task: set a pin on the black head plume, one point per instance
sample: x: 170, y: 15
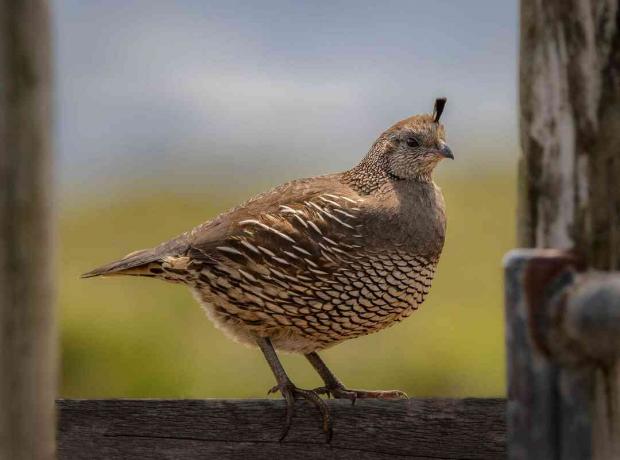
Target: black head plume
x: 440, y: 103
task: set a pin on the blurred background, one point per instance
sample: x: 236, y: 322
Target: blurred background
x: 169, y: 112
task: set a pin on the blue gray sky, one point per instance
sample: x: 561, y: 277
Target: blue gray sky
x: 218, y: 92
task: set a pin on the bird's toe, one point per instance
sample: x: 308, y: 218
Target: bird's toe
x: 290, y: 393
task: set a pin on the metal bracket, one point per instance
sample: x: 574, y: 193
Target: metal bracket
x: 573, y: 314
x: 563, y: 331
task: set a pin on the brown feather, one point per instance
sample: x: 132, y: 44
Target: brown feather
x: 128, y: 265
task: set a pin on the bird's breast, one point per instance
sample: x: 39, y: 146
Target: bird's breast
x: 412, y: 219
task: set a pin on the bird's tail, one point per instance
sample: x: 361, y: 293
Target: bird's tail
x: 140, y: 263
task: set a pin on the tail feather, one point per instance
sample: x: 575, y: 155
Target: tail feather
x: 131, y: 264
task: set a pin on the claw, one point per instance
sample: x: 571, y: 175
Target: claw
x: 322, y: 391
x: 290, y: 411
x: 290, y: 393
x: 320, y: 404
x: 272, y: 390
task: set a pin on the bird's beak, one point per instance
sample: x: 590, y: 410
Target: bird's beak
x: 445, y: 151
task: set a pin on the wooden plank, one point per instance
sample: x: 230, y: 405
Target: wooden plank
x: 27, y: 329
x: 239, y: 429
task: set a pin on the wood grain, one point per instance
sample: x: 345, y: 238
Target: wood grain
x: 239, y: 429
x: 569, y: 84
x: 27, y: 326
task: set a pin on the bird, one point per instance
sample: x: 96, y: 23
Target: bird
x: 317, y: 261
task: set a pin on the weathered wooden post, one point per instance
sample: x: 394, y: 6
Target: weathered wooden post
x: 27, y: 331
x: 563, y: 306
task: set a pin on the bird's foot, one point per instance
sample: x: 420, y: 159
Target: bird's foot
x: 340, y: 392
x: 290, y: 393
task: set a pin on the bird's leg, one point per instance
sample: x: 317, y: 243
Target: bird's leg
x: 335, y: 387
x: 290, y: 392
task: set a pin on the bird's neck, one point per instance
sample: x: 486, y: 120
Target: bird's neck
x: 372, y: 174
x: 367, y: 178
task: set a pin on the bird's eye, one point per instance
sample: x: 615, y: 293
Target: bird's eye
x: 413, y: 142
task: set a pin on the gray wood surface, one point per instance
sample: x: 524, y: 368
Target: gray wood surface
x: 240, y: 429
x: 569, y: 196
x: 27, y: 331
x: 532, y: 389
x: 549, y: 396
x: 569, y: 85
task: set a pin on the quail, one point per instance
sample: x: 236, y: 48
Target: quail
x: 317, y: 261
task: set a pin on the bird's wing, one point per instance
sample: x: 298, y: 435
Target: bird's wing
x: 303, y: 225
x: 305, y: 217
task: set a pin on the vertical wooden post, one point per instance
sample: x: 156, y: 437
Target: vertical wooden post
x: 569, y: 176
x: 27, y: 328
x: 570, y: 113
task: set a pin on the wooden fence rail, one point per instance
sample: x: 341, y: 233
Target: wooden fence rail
x: 240, y: 429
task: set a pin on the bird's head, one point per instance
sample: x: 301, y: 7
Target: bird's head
x: 414, y: 146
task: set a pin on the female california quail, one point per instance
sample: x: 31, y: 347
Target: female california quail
x: 317, y: 261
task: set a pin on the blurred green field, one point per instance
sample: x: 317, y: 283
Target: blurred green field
x: 143, y: 338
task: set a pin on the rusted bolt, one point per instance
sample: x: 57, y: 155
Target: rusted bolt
x: 573, y: 316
